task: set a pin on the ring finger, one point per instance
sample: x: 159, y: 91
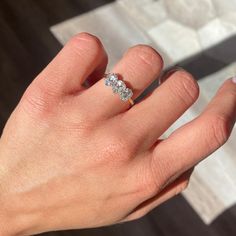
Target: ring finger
x: 138, y: 68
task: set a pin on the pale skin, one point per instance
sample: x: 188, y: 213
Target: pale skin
x: 77, y: 157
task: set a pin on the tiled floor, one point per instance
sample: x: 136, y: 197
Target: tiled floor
x: 182, y: 28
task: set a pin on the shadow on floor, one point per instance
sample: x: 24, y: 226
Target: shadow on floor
x: 205, y: 63
x: 212, y: 59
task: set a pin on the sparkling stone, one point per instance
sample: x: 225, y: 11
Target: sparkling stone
x: 126, y: 94
x: 111, y: 79
x: 118, y: 87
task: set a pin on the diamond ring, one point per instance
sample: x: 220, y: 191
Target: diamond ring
x: 119, y: 87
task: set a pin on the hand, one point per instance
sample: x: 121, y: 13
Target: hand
x: 76, y: 157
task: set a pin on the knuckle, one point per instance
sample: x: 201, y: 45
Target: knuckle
x: 80, y: 123
x: 38, y: 100
x: 148, y: 56
x: 184, y: 87
x: 115, y: 149
x: 220, y: 129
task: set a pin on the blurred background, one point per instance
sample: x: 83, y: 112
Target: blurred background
x: 199, y: 36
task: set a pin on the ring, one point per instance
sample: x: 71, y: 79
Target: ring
x: 119, y: 87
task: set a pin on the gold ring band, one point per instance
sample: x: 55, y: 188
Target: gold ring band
x: 131, y: 101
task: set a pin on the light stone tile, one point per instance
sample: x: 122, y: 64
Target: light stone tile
x: 225, y: 6
x: 194, y: 14
x: 136, y: 14
x: 145, y: 15
x: 216, y: 175
x: 133, y: 3
x: 155, y: 12
x: 110, y: 24
x: 216, y: 31
x: 177, y: 41
x: 230, y: 18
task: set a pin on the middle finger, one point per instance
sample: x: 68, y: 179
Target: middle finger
x: 149, y: 119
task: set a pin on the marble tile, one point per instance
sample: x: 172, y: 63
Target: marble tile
x: 177, y: 41
x: 136, y: 14
x: 229, y: 18
x: 135, y: 3
x: 155, y: 12
x: 117, y: 35
x: 216, y: 31
x: 194, y: 14
x: 225, y: 6
x: 145, y: 14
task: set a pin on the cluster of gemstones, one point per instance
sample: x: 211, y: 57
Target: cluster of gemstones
x: 118, y: 86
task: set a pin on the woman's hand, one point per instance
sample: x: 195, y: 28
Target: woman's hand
x: 76, y: 157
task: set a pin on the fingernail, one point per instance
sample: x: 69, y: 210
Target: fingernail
x: 234, y: 79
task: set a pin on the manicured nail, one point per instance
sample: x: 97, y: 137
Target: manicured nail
x: 234, y: 79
